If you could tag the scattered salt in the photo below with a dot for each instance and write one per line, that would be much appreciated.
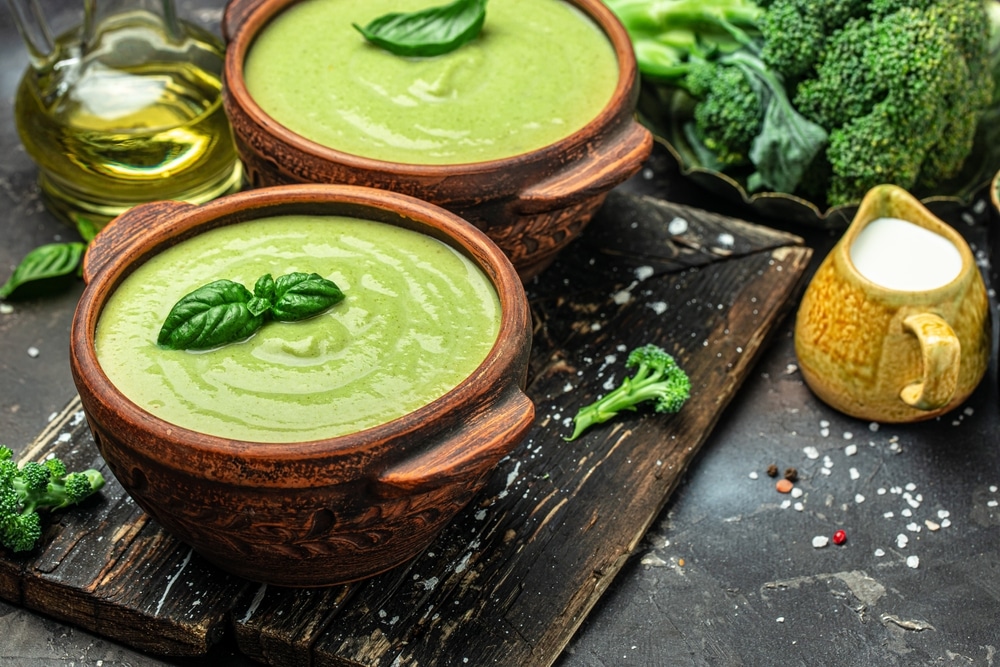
(943, 514)
(911, 487)
(854, 473)
(906, 512)
(912, 561)
(859, 498)
(811, 452)
(946, 523)
(991, 503)
(931, 525)
(677, 226)
(902, 540)
(785, 504)
(873, 427)
(780, 619)
(33, 352)
(993, 489)
(888, 515)
(850, 450)
(913, 527)
(848, 436)
(881, 491)
(753, 474)
(825, 471)
(6, 309)
(820, 541)
(798, 507)
(643, 272)
(797, 492)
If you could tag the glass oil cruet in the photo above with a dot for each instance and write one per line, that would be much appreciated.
(123, 108)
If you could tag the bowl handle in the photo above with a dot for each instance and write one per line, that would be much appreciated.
(120, 236)
(469, 454)
(235, 14)
(615, 160)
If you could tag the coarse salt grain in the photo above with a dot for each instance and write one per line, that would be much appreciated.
(879, 553)
(906, 512)
(811, 452)
(873, 427)
(854, 473)
(753, 474)
(798, 507)
(991, 503)
(33, 352)
(911, 487)
(912, 561)
(931, 525)
(902, 540)
(888, 515)
(913, 527)
(850, 450)
(858, 498)
(943, 514)
(797, 492)
(993, 489)
(946, 523)
(820, 541)
(848, 435)
(881, 491)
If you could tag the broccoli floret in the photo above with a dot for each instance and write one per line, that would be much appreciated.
(901, 93)
(657, 378)
(795, 31)
(33, 487)
(730, 113)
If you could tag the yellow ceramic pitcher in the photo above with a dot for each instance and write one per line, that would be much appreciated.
(892, 353)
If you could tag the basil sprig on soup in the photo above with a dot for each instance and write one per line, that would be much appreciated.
(429, 32)
(224, 311)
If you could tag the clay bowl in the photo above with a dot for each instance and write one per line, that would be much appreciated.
(313, 513)
(531, 205)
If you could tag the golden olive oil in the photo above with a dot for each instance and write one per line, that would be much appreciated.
(135, 116)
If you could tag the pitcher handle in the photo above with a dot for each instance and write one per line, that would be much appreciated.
(942, 353)
(121, 234)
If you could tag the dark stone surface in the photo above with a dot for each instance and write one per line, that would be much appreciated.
(726, 576)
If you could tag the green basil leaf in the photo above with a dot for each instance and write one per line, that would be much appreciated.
(302, 295)
(429, 32)
(86, 227)
(52, 260)
(210, 316)
(264, 288)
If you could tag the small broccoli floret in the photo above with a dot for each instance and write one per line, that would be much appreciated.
(34, 487)
(795, 31)
(657, 378)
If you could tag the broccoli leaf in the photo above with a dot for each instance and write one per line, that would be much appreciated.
(788, 142)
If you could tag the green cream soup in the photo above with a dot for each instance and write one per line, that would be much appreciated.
(538, 71)
(417, 319)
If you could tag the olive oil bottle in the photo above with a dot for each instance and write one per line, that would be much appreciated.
(124, 109)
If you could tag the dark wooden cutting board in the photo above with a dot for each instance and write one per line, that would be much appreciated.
(512, 578)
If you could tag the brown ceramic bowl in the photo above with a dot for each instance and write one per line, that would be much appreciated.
(532, 205)
(308, 513)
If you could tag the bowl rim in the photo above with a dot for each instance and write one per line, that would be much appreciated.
(514, 332)
(235, 93)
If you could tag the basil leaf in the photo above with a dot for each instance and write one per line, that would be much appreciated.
(302, 295)
(264, 288)
(53, 260)
(429, 32)
(210, 316)
(86, 227)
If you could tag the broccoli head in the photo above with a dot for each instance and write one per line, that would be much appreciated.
(795, 31)
(901, 93)
(36, 486)
(730, 113)
(657, 378)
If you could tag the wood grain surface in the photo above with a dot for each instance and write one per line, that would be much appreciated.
(513, 576)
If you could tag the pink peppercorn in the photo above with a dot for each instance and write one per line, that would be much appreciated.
(839, 537)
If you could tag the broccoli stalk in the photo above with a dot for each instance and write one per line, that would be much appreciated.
(33, 487)
(657, 378)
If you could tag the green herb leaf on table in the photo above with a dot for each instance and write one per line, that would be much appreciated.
(225, 311)
(53, 260)
(428, 32)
